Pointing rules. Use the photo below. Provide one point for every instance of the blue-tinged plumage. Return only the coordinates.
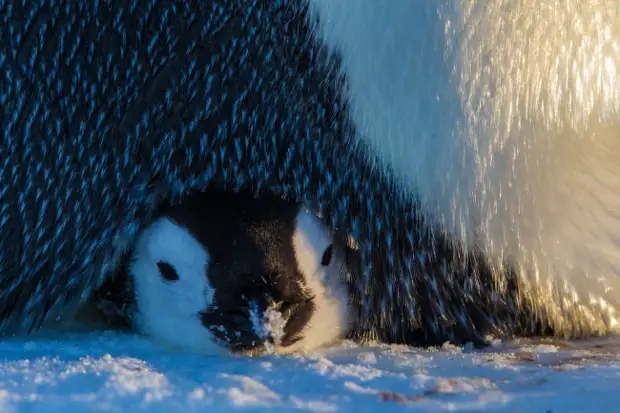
(108, 108)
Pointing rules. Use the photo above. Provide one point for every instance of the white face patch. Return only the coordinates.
(169, 310)
(323, 267)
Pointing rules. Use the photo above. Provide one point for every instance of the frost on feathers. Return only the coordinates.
(105, 110)
(269, 326)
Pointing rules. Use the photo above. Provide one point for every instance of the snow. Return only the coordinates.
(271, 324)
(113, 372)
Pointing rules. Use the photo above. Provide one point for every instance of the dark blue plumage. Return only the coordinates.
(108, 108)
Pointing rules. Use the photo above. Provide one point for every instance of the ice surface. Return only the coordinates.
(112, 372)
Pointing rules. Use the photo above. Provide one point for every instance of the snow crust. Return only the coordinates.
(112, 372)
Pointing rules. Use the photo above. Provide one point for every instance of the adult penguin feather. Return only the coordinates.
(107, 109)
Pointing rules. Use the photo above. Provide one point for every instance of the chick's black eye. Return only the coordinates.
(167, 271)
(327, 256)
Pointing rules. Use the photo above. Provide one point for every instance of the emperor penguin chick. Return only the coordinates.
(224, 271)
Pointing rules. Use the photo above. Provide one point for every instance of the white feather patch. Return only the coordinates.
(332, 317)
(169, 311)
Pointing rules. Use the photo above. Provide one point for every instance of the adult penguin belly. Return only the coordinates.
(502, 118)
